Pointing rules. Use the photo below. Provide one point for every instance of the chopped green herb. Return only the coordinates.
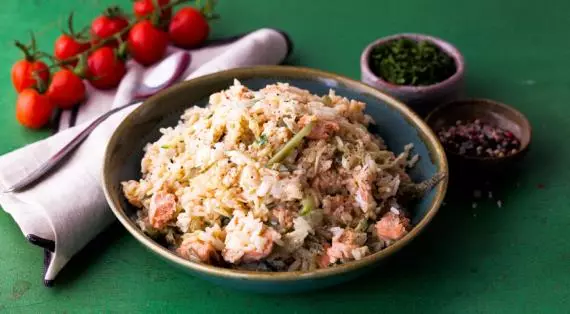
(308, 205)
(165, 146)
(262, 139)
(409, 62)
(211, 115)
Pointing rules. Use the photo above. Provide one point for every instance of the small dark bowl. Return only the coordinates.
(421, 99)
(488, 111)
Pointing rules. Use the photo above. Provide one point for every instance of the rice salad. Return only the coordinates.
(276, 179)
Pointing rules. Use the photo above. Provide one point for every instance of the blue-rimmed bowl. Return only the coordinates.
(397, 124)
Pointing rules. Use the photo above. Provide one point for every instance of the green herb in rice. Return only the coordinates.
(262, 139)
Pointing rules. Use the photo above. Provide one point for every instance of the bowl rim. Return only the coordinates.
(445, 46)
(435, 149)
(440, 110)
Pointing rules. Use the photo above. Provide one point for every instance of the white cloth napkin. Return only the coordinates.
(67, 209)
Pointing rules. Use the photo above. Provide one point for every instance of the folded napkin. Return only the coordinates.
(67, 209)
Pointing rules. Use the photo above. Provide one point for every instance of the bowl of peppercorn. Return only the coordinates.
(420, 70)
(480, 135)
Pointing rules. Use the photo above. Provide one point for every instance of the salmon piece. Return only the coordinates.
(183, 251)
(162, 209)
(247, 239)
(324, 260)
(204, 251)
(254, 256)
(392, 227)
(232, 256)
(322, 129)
(343, 243)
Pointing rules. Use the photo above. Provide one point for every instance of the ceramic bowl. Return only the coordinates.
(488, 111)
(395, 123)
(421, 99)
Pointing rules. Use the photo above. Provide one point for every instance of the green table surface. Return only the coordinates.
(513, 259)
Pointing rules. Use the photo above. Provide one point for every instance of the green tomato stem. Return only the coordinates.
(41, 85)
(24, 50)
(81, 68)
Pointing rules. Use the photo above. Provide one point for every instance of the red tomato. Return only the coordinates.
(22, 77)
(66, 89)
(147, 44)
(105, 26)
(67, 47)
(143, 8)
(33, 110)
(105, 70)
(188, 28)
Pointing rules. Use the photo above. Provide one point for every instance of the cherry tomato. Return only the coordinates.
(22, 77)
(105, 70)
(188, 28)
(143, 8)
(67, 47)
(105, 26)
(147, 44)
(33, 110)
(66, 89)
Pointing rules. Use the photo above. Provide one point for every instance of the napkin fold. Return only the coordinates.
(67, 209)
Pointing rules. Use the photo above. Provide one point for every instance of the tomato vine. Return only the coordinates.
(97, 53)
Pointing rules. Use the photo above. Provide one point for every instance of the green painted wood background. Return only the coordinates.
(514, 259)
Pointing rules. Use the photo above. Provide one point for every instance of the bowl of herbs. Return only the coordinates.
(420, 70)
